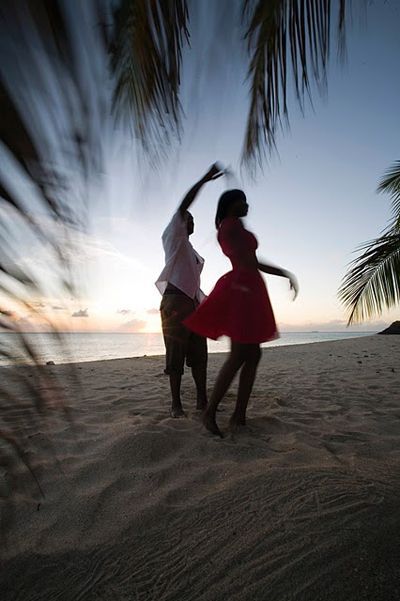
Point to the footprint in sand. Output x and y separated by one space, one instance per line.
122 402
273 425
281 402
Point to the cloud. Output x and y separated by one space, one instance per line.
124 311
333 325
80 313
57 308
134 325
153 311
26 325
80 248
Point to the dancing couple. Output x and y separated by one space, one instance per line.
238 306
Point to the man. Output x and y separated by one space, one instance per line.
179 284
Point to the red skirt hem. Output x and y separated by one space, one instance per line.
238 307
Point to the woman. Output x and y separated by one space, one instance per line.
238 307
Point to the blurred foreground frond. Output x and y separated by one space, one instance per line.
52 113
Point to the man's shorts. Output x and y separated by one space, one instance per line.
180 343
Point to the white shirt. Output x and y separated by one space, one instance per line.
183 264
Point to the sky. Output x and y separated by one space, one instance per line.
310 208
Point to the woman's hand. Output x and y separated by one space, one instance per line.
265 268
294 285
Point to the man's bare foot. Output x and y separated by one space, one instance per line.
211 425
177 411
201 405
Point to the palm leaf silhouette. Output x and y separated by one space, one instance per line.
288 44
390 183
373 282
146 56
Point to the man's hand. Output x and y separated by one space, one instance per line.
216 170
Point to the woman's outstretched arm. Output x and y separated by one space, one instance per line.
283 273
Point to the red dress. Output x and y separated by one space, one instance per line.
239 305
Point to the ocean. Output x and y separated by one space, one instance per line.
77 347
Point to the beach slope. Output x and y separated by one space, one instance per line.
301 505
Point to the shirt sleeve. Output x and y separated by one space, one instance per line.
174 232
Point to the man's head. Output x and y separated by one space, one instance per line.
189 222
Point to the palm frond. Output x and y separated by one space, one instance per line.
52 106
289 44
373 282
390 183
146 54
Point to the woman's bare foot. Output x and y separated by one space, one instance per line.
236 424
211 425
177 411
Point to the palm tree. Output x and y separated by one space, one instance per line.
372 283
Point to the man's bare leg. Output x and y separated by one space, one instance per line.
175 384
199 373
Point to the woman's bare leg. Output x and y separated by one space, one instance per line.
246 381
224 380
175 385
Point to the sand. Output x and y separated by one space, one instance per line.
302 505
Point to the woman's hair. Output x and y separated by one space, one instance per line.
226 200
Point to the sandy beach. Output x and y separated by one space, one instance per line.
303 504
